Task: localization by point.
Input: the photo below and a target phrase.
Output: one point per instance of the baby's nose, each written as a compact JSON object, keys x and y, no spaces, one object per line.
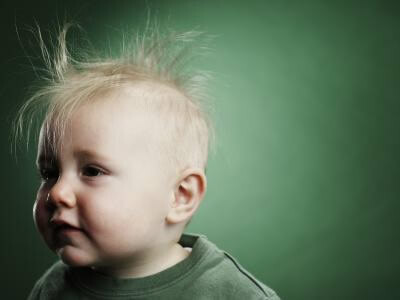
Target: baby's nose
{"x":61,"y":194}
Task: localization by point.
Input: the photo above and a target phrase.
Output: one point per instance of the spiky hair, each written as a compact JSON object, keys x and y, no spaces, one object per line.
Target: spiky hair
{"x":73,"y":78}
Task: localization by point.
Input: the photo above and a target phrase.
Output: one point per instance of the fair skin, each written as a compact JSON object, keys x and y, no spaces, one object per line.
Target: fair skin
{"x":108,"y":201}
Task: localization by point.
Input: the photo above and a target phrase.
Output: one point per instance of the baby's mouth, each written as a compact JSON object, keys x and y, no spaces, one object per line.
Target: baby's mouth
{"x":65,"y":227}
{"x":61,"y":227}
{"x":65,"y":234}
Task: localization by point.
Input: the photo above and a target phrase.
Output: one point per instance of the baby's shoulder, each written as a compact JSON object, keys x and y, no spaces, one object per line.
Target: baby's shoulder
{"x":224,"y":278}
{"x":51,"y":283}
{"x":245,"y":282}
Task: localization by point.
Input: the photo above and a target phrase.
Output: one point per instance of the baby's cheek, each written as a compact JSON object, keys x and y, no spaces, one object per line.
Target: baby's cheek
{"x":41,"y":217}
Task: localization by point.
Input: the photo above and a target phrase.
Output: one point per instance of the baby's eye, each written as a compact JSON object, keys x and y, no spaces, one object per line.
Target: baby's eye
{"x":47,"y":174}
{"x":91,"y":171}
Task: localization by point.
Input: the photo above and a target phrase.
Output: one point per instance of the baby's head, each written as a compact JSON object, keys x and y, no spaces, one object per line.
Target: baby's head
{"x":122,"y":154}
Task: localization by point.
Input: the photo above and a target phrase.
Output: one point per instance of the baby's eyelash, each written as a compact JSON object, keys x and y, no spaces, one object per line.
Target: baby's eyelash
{"x":92,"y":171}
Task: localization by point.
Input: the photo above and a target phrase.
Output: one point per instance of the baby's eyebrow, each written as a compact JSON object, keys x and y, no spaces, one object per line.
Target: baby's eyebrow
{"x":89,"y":154}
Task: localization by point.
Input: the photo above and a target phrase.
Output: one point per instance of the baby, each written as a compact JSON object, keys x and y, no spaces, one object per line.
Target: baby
{"x":122,"y":153}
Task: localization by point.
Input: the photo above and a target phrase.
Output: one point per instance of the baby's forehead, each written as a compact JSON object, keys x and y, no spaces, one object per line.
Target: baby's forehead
{"x":104,"y":129}
{"x":143,"y":109}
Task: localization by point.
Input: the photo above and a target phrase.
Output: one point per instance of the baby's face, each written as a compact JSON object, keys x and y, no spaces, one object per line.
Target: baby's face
{"x":103,"y":200}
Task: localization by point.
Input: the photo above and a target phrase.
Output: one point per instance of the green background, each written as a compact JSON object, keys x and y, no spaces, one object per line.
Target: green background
{"x":304,"y":185}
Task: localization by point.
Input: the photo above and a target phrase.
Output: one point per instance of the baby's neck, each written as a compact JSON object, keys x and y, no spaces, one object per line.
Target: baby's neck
{"x":148,"y":264}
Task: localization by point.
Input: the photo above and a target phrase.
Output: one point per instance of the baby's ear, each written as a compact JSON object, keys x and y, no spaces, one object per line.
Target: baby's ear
{"x":189,"y":191}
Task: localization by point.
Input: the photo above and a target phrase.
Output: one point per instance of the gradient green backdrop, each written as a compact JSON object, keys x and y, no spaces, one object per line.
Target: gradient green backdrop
{"x":304,"y":185}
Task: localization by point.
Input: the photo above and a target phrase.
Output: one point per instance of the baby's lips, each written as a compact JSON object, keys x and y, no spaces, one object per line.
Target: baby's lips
{"x":58,"y":223}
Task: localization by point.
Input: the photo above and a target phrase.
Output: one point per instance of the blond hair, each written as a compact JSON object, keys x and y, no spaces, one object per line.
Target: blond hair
{"x":155,"y":57}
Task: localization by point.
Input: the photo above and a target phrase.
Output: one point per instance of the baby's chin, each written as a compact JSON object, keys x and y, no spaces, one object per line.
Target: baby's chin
{"x":74,"y":257}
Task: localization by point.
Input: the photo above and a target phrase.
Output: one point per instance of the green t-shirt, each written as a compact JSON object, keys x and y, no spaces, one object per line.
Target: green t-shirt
{"x":207,"y":273}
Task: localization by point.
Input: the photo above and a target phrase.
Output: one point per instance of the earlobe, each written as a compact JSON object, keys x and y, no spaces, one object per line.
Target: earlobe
{"x":188,"y":194}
